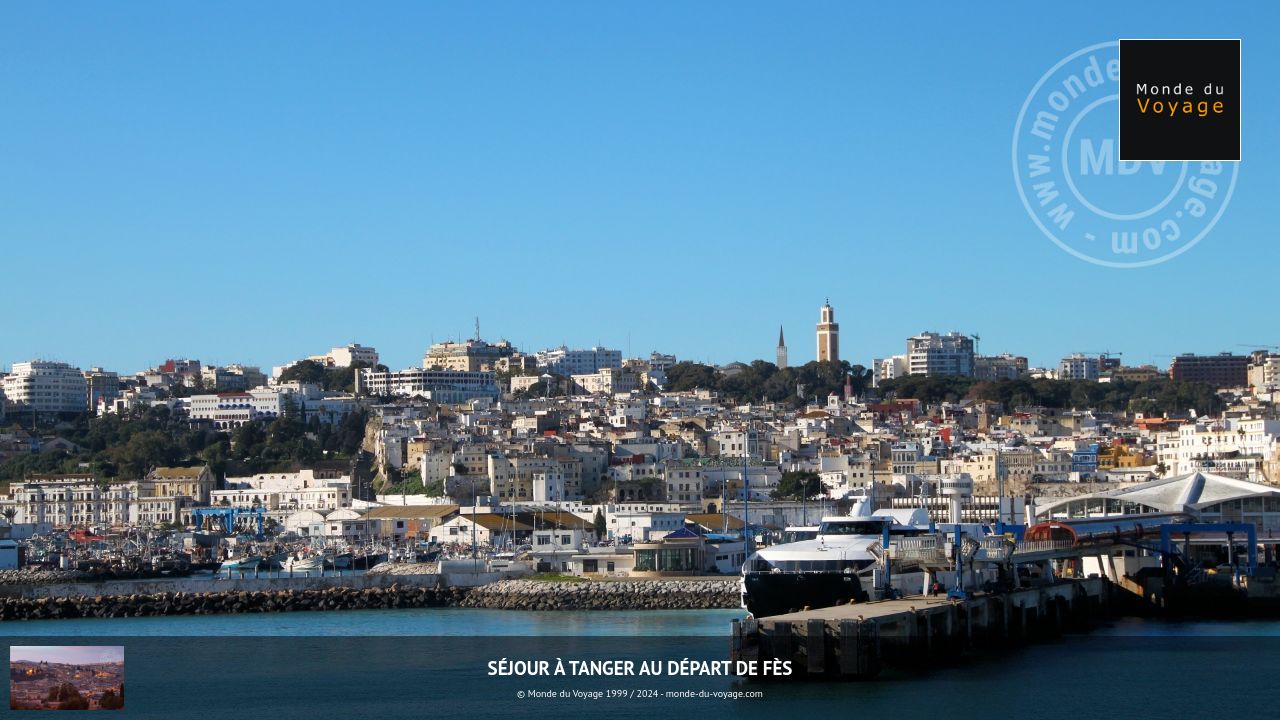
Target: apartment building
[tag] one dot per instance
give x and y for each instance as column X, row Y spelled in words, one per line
column 46, row 386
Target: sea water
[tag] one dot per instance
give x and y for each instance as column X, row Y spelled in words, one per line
column 420, row 662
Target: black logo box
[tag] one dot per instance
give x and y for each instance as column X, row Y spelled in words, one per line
column 1187, row 68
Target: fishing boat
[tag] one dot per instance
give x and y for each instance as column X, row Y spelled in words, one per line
column 340, row 561
column 246, row 564
column 302, row 563
column 366, row 560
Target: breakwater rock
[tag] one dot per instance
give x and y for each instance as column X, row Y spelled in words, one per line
column 37, row 576
column 211, row 603
column 390, row 568
column 691, row 594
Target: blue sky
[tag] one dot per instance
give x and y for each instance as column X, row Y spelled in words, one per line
column 245, row 182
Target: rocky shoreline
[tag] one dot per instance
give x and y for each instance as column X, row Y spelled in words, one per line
column 691, row 594
column 687, row 594
column 33, row 576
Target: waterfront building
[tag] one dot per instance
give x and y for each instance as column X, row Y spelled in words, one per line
column 398, row 522
column 194, row 482
column 828, row 334
column 487, row 528
column 64, row 501
column 1207, row 497
column 47, row 387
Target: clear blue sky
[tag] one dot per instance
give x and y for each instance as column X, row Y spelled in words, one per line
column 253, row 182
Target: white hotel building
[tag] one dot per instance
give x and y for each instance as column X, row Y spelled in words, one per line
column 45, row 386
column 444, row 386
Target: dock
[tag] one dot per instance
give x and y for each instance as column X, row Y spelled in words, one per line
column 859, row 640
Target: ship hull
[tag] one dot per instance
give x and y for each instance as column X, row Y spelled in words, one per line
column 776, row 593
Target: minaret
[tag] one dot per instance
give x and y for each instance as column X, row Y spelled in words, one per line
column 782, row 350
column 828, row 335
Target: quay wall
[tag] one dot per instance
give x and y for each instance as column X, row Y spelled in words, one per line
column 859, row 640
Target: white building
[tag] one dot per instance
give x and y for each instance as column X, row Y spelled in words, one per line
column 45, row 386
column 889, row 368
column 1227, row 446
column 82, row 500
column 302, row 490
column 932, row 354
column 1077, row 366
column 444, row 386
column 605, row 381
column 230, row 410
column 348, row 355
column 564, row 361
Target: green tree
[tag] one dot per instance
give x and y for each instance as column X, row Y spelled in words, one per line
column 601, row 527
column 799, row 485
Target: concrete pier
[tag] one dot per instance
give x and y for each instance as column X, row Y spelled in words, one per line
column 859, row 640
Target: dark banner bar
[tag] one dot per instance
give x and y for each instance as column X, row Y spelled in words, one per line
column 313, row 678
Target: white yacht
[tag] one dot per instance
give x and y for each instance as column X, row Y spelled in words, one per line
column 828, row 569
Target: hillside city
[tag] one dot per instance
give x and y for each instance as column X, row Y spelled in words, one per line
column 567, row 450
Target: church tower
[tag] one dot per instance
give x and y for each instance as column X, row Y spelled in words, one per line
column 828, row 335
column 782, row 350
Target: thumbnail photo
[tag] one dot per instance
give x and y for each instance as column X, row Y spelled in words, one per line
column 66, row 677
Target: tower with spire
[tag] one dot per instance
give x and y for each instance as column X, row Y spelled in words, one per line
column 828, row 335
column 782, row 350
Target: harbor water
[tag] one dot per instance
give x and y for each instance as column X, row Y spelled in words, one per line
column 399, row 663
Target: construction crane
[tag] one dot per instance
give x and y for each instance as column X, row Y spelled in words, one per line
column 1100, row 353
column 1259, row 346
column 977, row 340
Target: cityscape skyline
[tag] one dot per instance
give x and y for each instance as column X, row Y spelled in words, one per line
column 821, row 330
column 610, row 176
